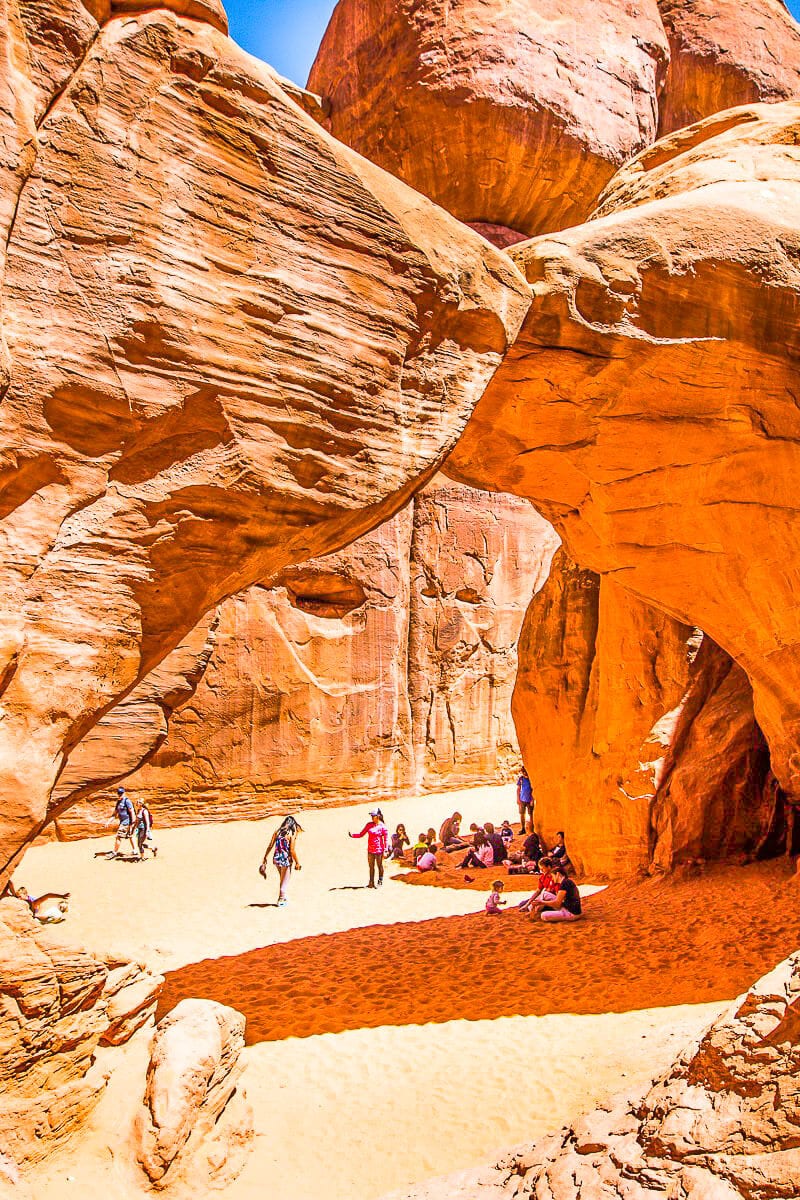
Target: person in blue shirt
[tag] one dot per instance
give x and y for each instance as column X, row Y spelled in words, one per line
column 126, row 818
column 524, row 801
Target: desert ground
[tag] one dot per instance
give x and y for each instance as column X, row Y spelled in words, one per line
column 398, row 1034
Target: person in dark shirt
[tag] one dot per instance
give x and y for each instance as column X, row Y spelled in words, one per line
column 559, row 853
column 532, row 848
column 496, row 842
column 567, row 903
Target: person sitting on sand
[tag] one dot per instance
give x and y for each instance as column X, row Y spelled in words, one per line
column 419, row 848
column 430, row 838
column 566, row 904
column 283, row 843
column 545, row 887
column 532, row 849
column 377, row 841
column 480, row 855
column 499, row 852
column 126, row 829
column 450, row 837
column 427, row 861
column 494, row 903
column 559, row 853
column 400, row 840
column 507, row 834
column 48, row 909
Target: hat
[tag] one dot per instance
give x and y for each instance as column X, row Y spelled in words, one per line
column 121, row 791
column 373, row 812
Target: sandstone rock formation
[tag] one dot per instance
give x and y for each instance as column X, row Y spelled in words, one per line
column 383, row 669
column 193, row 1075
column 514, row 114
column 723, row 53
column 721, row 1124
column 230, row 345
column 56, row 1005
column 648, row 407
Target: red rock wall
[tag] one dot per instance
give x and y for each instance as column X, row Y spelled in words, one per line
column 382, row 669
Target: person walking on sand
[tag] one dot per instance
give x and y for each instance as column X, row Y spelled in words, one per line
column 524, row 801
column 377, row 841
column 144, row 830
column 283, row 845
column 126, row 823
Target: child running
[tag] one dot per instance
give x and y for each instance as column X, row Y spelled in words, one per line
column 494, row 903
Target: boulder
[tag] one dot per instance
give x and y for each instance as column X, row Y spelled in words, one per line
column 648, row 406
column 723, row 53
column 511, row 113
column 193, row 1074
column 232, row 345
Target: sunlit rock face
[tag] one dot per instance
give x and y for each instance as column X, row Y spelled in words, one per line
column 514, row 113
column 229, row 344
column 648, row 407
column 382, row 669
column 724, row 53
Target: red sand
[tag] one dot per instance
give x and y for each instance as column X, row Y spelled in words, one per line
column 662, row 941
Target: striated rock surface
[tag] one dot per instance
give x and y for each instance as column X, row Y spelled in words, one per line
column 599, row 673
column 57, row 1004
column 385, row 668
column 193, row 1076
column 721, row 1124
column 724, row 53
column 514, row 113
column 648, row 407
column 230, row 345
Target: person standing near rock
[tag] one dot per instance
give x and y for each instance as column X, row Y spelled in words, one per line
column 283, row 845
column 524, row 800
column 377, row 841
column 144, row 830
column 126, row 818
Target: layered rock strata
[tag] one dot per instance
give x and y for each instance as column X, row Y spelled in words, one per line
column 230, row 345
column 648, row 405
column 57, row 1005
column 720, row 1124
column 384, row 669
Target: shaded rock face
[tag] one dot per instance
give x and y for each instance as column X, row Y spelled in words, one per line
column 648, row 406
column 720, row 1124
column 57, row 1004
column 724, row 53
column 639, row 734
column 599, row 671
column 228, row 345
column 510, row 112
column 382, row 669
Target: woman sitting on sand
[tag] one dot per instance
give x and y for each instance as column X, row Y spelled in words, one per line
column 450, row 836
column 565, row 905
column 283, row 843
column 545, row 889
column 400, row 840
column 481, row 855
column 427, row 861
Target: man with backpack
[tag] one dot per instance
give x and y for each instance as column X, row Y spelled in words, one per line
column 126, row 828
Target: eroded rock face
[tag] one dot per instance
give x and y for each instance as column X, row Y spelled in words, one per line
column 57, row 1004
column 383, row 669
column 724, row 53
column 232, row 345
column 513, row 113
column 193, row 1076
column 599, row 672
column 648, row 406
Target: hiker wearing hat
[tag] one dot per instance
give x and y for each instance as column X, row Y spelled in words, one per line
column 126, row 818
column 377, row 843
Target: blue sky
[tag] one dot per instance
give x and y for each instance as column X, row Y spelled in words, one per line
column 286, row 33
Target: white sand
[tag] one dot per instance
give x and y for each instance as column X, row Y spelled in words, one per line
column 344, row 1116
